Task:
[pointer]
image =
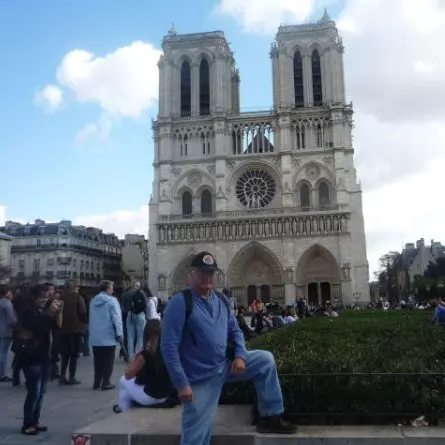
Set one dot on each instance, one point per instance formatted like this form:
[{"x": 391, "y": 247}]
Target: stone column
[
  {"x": 319, "y": 294},
  {"x": 218, "y": 99},
  {"x": 346, "y": 292},
  {"x": 324, "y": 62},
  {"x": 289, "y": 293},
  {"x": 195, "y": 88},
  {"x": 307, "y": 76},
  {"x": 286, "y": 96},
  {"x": 275, "y": 78},
  {"x": 175, "y": 87}
]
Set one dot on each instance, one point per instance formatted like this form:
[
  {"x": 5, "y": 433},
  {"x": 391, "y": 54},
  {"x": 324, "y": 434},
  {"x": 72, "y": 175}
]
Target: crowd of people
[{"x": 178, "y": 354}]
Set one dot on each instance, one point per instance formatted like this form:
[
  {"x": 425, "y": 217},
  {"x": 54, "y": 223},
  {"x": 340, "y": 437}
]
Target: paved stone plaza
[{"x": 65, "y": 408}]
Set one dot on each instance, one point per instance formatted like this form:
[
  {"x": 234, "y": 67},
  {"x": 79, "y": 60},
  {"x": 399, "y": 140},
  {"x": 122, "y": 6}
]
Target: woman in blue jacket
[{"x": 106, "y": 333}]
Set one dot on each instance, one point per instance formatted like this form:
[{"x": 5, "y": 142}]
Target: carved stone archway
[
  {"x": 180, "y": 277},
  {"x": 319, "y": 276},
  {"x": 256, "y": 266}
]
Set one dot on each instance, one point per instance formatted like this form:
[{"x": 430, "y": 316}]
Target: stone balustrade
[
  {"x": 253, "y": 213},
  {"x": 248, "y": 229}
]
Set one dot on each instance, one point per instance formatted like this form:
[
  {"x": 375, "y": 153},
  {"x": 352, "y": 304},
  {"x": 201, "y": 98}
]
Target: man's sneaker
[{"x": 275, "y": 425}]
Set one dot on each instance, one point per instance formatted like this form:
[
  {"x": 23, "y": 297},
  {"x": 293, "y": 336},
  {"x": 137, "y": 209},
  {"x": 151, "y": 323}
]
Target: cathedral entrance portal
[
  {"x": 255, "y": 272},
  {"x": 318, "y": 276},
  {"x": 319, "y": 294},
  {"x": 312, "y": 294}
]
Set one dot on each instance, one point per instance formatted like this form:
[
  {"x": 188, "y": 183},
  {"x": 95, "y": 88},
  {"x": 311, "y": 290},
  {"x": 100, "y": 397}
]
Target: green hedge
[{"x": 363, "y": 367}]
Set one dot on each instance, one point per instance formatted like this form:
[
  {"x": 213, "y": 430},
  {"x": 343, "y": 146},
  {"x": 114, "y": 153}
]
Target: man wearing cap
[{"x": 195, "y": 354}]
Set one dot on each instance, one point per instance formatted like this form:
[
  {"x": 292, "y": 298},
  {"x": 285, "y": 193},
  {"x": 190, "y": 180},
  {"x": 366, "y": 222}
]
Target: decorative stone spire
[
  {"x": 172, "y": 30},
  {"x": 274, "y": 49},
  {"x": 326, "y": 17}
]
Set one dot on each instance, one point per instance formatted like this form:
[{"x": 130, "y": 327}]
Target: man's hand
[
  {"x": 238, "y": 366},
  {"x": 185, "y": 394},
  {"x": 56, "y": 306}
]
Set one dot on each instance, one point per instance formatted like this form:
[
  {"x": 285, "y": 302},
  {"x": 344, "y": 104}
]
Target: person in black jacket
[
  {"x": 33, "y": 347},
  {"x": 146, "y": 381}
]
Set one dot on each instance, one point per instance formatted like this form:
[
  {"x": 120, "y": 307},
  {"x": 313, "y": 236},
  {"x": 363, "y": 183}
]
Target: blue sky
[
  {"x": 107, "y": 93},
  {"x": 49, "y": 176}
]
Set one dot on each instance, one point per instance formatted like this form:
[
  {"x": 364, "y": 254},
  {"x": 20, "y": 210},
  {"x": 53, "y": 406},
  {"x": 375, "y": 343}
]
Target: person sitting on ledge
[
  {"x": 194, "y": 346},
  {"x": 146, "y": 381}
]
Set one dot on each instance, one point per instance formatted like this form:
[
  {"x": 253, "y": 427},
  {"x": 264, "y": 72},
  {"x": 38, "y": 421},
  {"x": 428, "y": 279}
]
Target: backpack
[
  {"x": 188, "y": 300},
  {"x": 138, "y": 303}
]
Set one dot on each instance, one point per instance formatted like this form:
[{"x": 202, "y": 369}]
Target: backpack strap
[
  {"x": 225, "y": 300},
  {"x": 188, "y": 300}
]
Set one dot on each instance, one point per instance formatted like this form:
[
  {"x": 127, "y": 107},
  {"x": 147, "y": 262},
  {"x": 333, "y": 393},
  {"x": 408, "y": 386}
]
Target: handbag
[{"x": 22, "y": 342}]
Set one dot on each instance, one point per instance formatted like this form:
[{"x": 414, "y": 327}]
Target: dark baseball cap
[{"x": 204, "y": 261}]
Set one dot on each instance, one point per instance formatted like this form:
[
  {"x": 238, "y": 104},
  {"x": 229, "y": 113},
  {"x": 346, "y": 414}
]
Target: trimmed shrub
[{"x": 363, "y": 367}]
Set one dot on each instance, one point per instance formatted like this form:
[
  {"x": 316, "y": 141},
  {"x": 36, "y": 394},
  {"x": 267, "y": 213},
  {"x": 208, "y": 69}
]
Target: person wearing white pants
[
  {"x": 146, "y": 381},
  {"x": 130, "y": 392}
]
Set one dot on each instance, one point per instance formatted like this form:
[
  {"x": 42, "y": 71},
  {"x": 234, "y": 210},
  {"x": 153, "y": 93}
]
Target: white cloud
[
  {"x": 394, "y": 75},
  {"x": 263, "y": 16},
  {"x": 119, "y": 222},
  {"x": 100, "y": 129},
  {"x": 50, "y": 98},
  {"x": 394, "y": 70},
  {"x": 405, "y": 210},
  {"x": 122, "y": 83}
]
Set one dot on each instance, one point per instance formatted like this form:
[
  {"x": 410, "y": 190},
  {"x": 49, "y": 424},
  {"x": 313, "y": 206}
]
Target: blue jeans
[
  {"x": 135, "y": 332},
  {"x": 5, "y": 345},
  {"x": 37, "y": 378},
  {"x": 86, "y": 341},
  {"x": 197, "y": 416}
]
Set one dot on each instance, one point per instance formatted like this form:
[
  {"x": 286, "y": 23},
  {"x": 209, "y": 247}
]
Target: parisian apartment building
[
  {"x": 135, "y": 258},
  {"x": 55, "y": 252}
]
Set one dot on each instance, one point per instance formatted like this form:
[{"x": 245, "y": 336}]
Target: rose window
[{"x": 255, "y": 189}]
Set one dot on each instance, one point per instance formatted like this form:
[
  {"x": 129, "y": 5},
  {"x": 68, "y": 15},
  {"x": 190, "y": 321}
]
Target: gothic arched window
[
  {"x": 203, "y": 143},
  {"x": 298, "y": 80},
  {"x": 300, "y": 137},
  {"x": 186, "y": 204},
  {"x": 204, "y": 87},
  {"x": 184, "y": 146},
  {"x": 186, "y": 89},
  {"x": 319, "y": 136},
  {"x": 316, "y": 79},
  {"x": 305, "y": 196},
  {"x": 206, "y": 203},
  {"x": 323, "y": 195}
]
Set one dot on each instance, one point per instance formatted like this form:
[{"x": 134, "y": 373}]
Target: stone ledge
[{"x": 233, "y": 426}]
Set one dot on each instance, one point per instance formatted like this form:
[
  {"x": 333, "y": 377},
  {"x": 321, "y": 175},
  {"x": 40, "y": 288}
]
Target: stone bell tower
[{"x": 273, "y": 194}]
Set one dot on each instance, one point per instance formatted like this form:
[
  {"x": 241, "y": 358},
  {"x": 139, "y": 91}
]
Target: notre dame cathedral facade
[{"x": 273, "y": 194}]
